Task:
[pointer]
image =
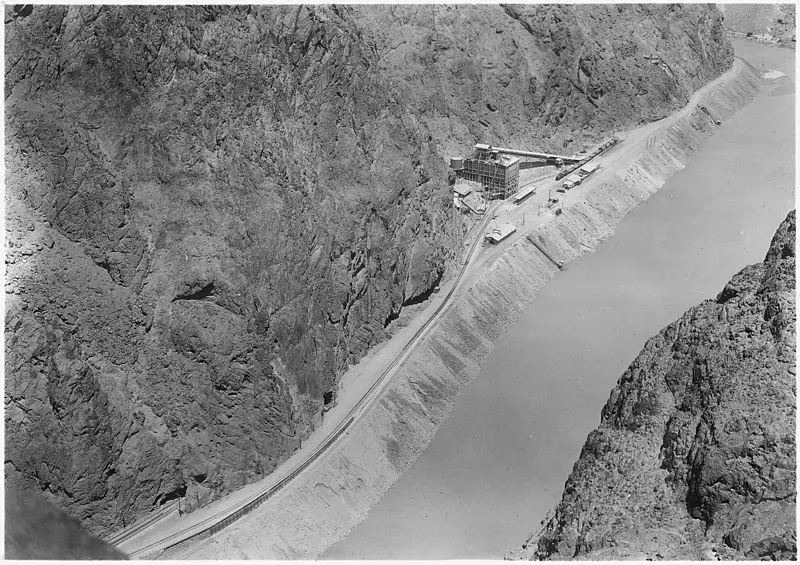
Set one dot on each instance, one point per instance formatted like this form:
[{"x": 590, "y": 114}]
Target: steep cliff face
[
  {"x": 774, "y": 21},
  {"x": 695, "y": 454},
  {"x": 213, "y": 211},
  {"x": 556, "y": 75}
]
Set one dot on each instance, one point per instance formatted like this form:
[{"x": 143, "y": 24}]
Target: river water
[{"x": 500, "y": 461}]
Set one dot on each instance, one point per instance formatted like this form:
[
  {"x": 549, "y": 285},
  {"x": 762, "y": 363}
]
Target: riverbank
[{"x": 324, "y": 504}]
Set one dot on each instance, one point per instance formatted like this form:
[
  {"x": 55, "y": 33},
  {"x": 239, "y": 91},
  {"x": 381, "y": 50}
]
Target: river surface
[{"x": 499, "y": 463}]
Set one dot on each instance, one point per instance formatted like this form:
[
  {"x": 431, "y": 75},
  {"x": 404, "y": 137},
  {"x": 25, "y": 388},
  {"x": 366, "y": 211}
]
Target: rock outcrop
[
  {"x": 695, "y": 454},
  {"x": 771, "y": 23},
  {"x": 213, "y": 211}
]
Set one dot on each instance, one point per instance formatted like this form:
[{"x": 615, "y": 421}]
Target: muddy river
[{"x": 500, "y": 461}]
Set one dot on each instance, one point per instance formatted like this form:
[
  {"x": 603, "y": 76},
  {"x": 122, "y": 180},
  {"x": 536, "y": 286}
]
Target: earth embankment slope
[
  {"x": 695, "y": 454},
  {"x": 326, "y": 501},
  {"x": 212, "y": 211}
]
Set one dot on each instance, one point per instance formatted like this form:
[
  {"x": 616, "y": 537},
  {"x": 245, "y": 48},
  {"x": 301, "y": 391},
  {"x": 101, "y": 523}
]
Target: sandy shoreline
[{"x": 324, "y": 503}]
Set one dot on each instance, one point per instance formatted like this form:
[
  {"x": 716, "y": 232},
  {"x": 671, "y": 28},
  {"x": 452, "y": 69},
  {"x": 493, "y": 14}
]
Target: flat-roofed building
[
  {"x": 461, "y": 189},
  {"x": 474, "y": 203},
  {"x": 498, "y": 233},
  {"x": 588, "y": 169},
  {"x": 530, "y": 190}
]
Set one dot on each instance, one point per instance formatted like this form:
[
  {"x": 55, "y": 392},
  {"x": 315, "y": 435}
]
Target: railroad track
[
  {"x": 226, "y": 517},
  {"x": 137, "y": 527}
]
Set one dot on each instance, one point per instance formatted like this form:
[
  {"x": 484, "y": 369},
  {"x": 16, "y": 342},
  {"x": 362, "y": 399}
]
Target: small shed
[
  {"x": 462, "y": 189},
  {"x": 499, "y": 232},
  {"x": 475, "y": 203}
]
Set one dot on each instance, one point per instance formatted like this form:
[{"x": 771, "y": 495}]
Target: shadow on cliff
[{"x": 35, "y": 529}]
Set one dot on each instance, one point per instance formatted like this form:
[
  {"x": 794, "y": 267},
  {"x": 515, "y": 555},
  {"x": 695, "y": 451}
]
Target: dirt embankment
[{"x": 323, "y": 504}]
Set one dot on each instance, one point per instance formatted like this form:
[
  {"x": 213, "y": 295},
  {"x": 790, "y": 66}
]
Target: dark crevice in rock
[
  {"x": 106, "y": 266},
  {"x": 422, "y": 297},
  {"x": 163, "y": 498},
  {"x": 205, "y": 292},
  {"x": 393, "y": 315}
]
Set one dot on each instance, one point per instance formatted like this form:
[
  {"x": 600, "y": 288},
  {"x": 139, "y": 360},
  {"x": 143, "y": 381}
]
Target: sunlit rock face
[{"x": 695, "y": 454}]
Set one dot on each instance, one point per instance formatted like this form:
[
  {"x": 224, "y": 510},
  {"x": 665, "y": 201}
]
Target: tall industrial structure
[
  {"x": 497, "y": 168},
  {"x": 498, "y": 173}
]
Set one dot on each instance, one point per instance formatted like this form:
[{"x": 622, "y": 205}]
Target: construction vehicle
[{"x": 704, "y": 109}]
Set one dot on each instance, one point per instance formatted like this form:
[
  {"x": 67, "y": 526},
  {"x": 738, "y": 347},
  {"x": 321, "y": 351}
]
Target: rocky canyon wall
[
  {"x": 212, "y": 211},
  {"x": 695, "y": 454}
]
